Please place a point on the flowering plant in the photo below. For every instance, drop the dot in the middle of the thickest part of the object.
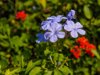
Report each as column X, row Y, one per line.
column 63, row 44
column 59, row 53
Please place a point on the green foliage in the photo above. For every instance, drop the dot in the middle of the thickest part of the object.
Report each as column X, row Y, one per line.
column 21, row 55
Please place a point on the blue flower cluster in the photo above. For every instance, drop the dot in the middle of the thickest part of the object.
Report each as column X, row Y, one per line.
column 54, row 29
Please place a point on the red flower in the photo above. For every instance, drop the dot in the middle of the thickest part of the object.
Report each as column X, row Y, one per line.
column 76, row 52
column 21, row 15
column 85, row 45
column 82, row 40
column 89, row 49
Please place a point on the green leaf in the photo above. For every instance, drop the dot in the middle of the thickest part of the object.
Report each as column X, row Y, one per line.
column 96, row 54
column 4, row 43
column 98, row 1
column 87, row 12
column 35, row 71
column 13, row 72
column 8, row 72
column 54, row 1
column 61, row 57
column 57, row 72
column 32, row 65
column 47, row 72
column 3, row 36
column 42, row 2
column 28, row 3
column 66, row 71
column 46, row 52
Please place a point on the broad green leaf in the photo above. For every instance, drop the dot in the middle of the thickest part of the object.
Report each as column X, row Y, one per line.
column 61, row 57
column 55, row 56
column 98, row 1
column 4, row 43
column 87, row 12
column 47, row 72
column 83, row 70
column 35, row 71
column 54, row 1
column 13, row 72
column 8, row 72
column 66, row 71
column 32, row 65
column 46, row 52
column 42, row 2
column 96, row 54
column 57, row 72
column 28, row 3
column 3, row 36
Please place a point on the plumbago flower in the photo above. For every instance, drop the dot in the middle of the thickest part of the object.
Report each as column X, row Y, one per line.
column 70, row 15
column 54, row 32
column 40, row 38
column 45, row 25
column 54, row 26
column 74, row 28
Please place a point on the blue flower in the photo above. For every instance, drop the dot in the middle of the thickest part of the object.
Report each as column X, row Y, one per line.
column 56, row 18
column 70, row 15
column 74, row 28
column 40, row 38
column 54, row 32
column 45, row 25
column 50, row 20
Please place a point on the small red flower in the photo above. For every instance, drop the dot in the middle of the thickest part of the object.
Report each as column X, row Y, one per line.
column 21, row 15
column 86, row 46
column 76, row 52
column 89, row 49
column 82, row 41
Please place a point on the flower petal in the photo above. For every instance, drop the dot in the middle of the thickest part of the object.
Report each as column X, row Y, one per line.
column 52, row 17
column 58, row 27
column 47, row 35
column 70, row 23
column 45, row 25
column 74, row 34
column 78, row 25
column 69, row 26
column 61, row 34
column 81, row 31
column 53, row 38
column 71, row 14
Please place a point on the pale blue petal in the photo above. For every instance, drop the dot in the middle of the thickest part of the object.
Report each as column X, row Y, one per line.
column 52, row 17
column 58, row 18
column 61, row 34
column 74, row 34
column 68, row 27
column 47, row 35
column 58, row 27
column 55, row 27
column 70, row 23
column 71, row 15
column 45, row 25
column 81, row 31
column 78, row 25
column 53, row 38
column 64, row 17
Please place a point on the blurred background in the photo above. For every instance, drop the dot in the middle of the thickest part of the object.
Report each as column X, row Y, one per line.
column 13, row 31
